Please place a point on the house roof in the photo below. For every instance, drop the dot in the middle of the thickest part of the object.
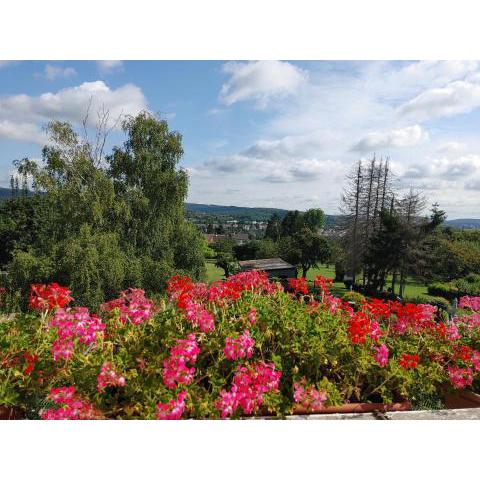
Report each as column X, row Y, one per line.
column 265, row 264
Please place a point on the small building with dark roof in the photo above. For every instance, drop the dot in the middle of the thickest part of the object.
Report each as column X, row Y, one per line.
column 274, row 267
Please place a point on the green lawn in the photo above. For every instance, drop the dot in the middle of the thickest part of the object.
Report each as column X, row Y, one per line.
column 412, row 289
column 213, row 273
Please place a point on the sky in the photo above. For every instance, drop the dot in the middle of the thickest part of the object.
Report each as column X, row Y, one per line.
column 270, row 133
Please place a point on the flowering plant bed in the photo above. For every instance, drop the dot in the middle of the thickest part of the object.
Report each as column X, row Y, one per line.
column 235, row 348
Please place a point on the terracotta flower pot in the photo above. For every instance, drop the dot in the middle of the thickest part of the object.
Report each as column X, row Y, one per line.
column 461, row 399
column 356, row 408
column 400, row 406
column 11, row 413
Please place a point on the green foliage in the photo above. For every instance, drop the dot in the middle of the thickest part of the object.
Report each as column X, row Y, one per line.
column 265, row 248
column 355, row 297
column 305, row 248
column 102, row 224
column 469, row 285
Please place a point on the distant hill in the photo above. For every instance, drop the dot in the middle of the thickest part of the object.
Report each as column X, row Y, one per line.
column 245, row 213
column 4, row 193
column 464, row 223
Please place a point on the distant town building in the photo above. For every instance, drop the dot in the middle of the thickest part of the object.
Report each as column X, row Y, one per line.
column 238, row 238
column 275, row 267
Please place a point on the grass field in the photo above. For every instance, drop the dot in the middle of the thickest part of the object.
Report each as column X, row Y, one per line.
column 412, row 289
column 213, row 273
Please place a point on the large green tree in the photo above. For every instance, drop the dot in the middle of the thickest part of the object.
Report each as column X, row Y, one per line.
column 103, row 223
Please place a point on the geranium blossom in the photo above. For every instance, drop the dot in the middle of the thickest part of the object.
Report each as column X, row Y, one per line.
column 74, row 324
column 476, row 360
column 132, row 305
column 381, row 355
column 199, row 316
column 172, row 410
column 48, row 297
column 460, row 377
column 241, row 347
column 252, row 316
column 108, row 377
column 249, row 385
column 62, row 348
column 178, row 368
column 70, row 406
column 408, row 361
column 298, row 285
column 473, row 303
column 452, row 332
column 31, row 359
column 308, row 396
column 359, row 327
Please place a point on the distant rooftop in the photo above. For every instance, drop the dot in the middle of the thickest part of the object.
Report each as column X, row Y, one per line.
column 265, row 264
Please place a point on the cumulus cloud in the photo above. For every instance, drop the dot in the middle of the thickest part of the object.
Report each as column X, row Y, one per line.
column 457, row 97
column 23, row 132
column 52, row 72
column 446, row 168
column 106, row 67
column 289, row 146
column 68, row 104
column 473, row 184
column 260, row 81
column 451, row 148
column 403, row 137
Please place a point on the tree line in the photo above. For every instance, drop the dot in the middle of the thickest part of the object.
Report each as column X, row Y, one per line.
column 386, row 234
column 101, row 222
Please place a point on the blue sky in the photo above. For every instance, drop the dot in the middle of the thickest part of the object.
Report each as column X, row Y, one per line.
column 271, row 133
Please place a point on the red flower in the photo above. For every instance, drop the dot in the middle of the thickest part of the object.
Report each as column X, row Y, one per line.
column 298, row 285
column 49, row 297
column 462, row 352
column 359, row 327
column 409, row 361
column 31, row 360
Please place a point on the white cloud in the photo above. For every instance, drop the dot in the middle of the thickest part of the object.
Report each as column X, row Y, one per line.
column 260, row 81
column 51, row 72
column 403, row 137
column 68, row 104
column 106, row 67
column 23, row 132
column 455, row 98
column 446, row 168
column 290, row 146
column 473, row 184
column 451, row 148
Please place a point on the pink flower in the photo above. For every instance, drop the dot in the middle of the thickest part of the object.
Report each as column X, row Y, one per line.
column 476, row 360
column 241, row 347
column 308, row 396
column 132, row 305
column 249, row 385
column 71, row 406
column 473, row 303
column 460, row 377
column 252, row 316
column 199, row 317
column 109, row 377
column 62, row 349
column 172, row 410
column 452, row 332
column 375, row 332
column 178, row 368
column 381, row 355
column 74, row 324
